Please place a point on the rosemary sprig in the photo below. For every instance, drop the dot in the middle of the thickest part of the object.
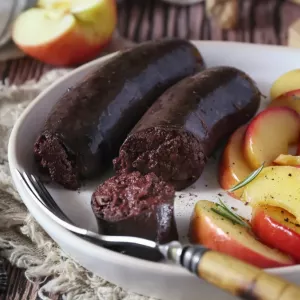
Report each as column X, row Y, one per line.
column 248, row 179
column 224, row 211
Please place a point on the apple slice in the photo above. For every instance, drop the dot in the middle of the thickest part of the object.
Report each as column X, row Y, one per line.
column 233, row 166
column 58, row 37
column 269, row 134
column 278, row 229
column 218, row 233
column 287, row 160
column 290, row 99
column 275, row 186
column 289, row 81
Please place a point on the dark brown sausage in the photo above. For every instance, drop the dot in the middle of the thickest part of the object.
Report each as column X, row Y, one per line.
column 136, row 205
column 89, row 123
column 182, row 128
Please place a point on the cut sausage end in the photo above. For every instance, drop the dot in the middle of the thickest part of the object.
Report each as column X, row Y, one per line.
column 129, row 195
column 54, row 159
column 174, row 155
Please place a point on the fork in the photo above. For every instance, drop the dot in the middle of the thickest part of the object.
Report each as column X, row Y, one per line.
column 226, row 272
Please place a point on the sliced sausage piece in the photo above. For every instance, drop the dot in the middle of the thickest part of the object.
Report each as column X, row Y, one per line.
column 182, row 128
column 136, row 205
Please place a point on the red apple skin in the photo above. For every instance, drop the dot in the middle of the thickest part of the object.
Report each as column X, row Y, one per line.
column 274, row 227
column 74, row 47
column 65, row 51
column 203, row 230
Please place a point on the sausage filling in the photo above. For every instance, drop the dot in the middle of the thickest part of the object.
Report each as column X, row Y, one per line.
column 54, row 158
column 128, row 195
column 176, row 156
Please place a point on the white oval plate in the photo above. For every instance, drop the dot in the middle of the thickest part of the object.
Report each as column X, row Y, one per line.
column 263, row 63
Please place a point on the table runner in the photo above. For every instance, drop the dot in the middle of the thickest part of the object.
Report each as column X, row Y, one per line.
column 22, row 240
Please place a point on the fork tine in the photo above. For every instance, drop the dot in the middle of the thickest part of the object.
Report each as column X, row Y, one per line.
column 48, row 199
column 29, row 184
column 46, row 196
column 34, row 186
column 38, row 200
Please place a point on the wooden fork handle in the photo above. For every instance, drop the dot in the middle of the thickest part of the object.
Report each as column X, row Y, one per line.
column 237, row 277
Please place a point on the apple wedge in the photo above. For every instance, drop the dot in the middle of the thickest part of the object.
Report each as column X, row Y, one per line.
column 275, row 186
column 278, row 229
column 218, row 233
column 91, row 10
column 288, row 160
column 233, row 167
column 290, row 99
column 269, row 134
column 55, row 4
column 289, row 81
column 66, row 35
column 85, row 10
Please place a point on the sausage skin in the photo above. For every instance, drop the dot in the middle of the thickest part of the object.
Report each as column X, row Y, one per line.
column 181, row 129
column 89, row 123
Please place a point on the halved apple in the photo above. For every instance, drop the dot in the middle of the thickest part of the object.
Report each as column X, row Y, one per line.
column 275, row 186
column 269, row 134
column 66, row 35
column 287, row 82
column 217, row 233
column 288, row 160
column 233, row 166
column 289, row 99
column 278, row 229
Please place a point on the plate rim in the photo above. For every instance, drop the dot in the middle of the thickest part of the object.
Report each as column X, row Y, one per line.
column 74, row 239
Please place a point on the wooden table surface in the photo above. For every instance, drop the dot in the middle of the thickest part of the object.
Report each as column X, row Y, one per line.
column 260, row 21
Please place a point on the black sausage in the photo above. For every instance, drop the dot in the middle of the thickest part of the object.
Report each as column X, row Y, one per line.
column 136, row 205
column 181, row 129
column 89, row 123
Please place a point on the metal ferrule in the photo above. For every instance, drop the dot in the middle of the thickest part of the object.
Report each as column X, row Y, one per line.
column 191, row 256
column 171, row 251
